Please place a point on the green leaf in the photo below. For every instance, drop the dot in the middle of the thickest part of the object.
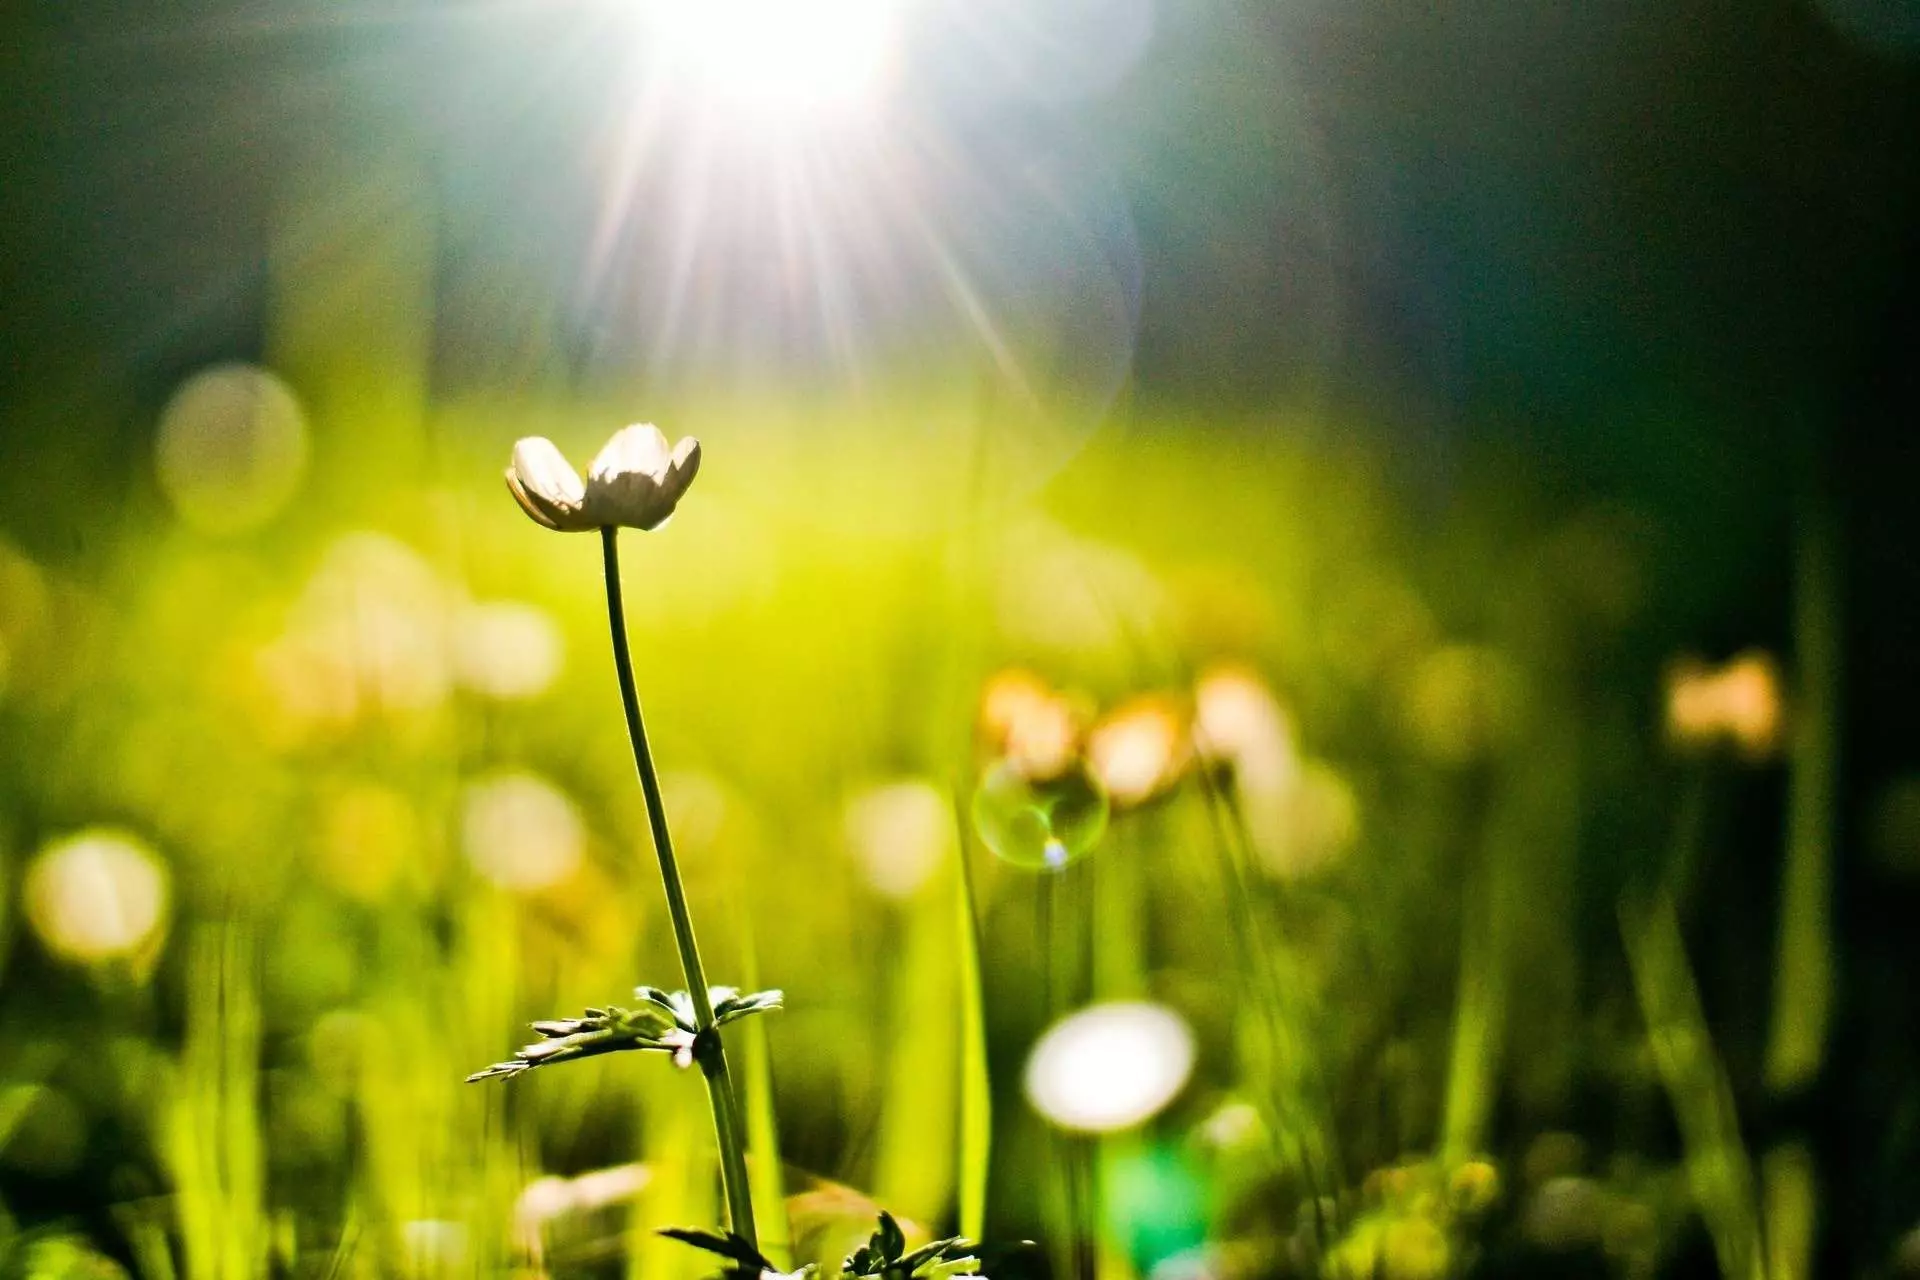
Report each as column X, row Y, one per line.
column 674, row 1005
column 889, row 1239
column 738, row 1006
column 726, row 1244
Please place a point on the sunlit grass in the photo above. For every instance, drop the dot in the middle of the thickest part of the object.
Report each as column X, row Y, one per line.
column 1346, row 845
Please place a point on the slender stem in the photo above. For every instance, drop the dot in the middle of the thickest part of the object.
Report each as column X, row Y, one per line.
column 727, row 1129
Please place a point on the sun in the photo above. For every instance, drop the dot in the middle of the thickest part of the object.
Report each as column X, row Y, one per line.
column 776, row 62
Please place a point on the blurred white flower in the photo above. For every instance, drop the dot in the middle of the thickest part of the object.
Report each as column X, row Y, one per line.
column 1239, row 723
column 364, row 835
column 97, row 895
column 546, row 1199
column 368, row 634
column 231, row 448
column 520, row 832
column 1304, row 825
column 1233, row 1124
column 1074, row 599
column 1110, row 1066
column 507, row 650
column 901, row 832
column 636, row 480
column 434, row 1246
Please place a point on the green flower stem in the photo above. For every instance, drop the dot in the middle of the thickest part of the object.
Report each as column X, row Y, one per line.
column 712, row 1056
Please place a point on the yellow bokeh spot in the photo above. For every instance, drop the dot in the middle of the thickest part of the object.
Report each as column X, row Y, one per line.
column 367, row 834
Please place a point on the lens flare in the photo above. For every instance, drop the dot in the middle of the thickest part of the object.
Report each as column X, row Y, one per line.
column 1040, row 824
column 1110, row 1067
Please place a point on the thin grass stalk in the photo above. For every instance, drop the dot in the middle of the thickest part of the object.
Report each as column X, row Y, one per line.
column 212, row 1138
column 975, row 1147
column 1480, row 1002
column 913, row 1166
column 1804, row 964
column 1292, row 1090
column 729, row 1134
column 1719, row 1171
column 1803, row 992
column 1119, row 973
column 1063, row 911
column 681, row 1186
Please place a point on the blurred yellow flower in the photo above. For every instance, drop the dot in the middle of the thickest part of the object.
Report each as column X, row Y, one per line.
column 1739, row 704
column 1140, row 749
column 365, row 834
column 1030, row 726
column 1473, row 1187
column 1463, row 702
column 636, row 480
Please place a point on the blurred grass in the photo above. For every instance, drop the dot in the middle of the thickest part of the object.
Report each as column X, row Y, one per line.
column 287, row 719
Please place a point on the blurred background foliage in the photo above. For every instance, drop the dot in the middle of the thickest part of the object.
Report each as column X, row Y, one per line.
column 1432, row 488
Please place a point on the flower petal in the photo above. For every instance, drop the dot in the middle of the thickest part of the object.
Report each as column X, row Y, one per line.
column 637, row 481
column 546, row 486
column 686, row 465
column 534, row 509
column 639, row 448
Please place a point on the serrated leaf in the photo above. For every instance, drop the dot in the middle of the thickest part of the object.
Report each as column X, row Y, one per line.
column 610, row 1030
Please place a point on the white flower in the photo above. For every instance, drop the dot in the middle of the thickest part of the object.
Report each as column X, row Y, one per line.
column 99, row 895
column 636, row 480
